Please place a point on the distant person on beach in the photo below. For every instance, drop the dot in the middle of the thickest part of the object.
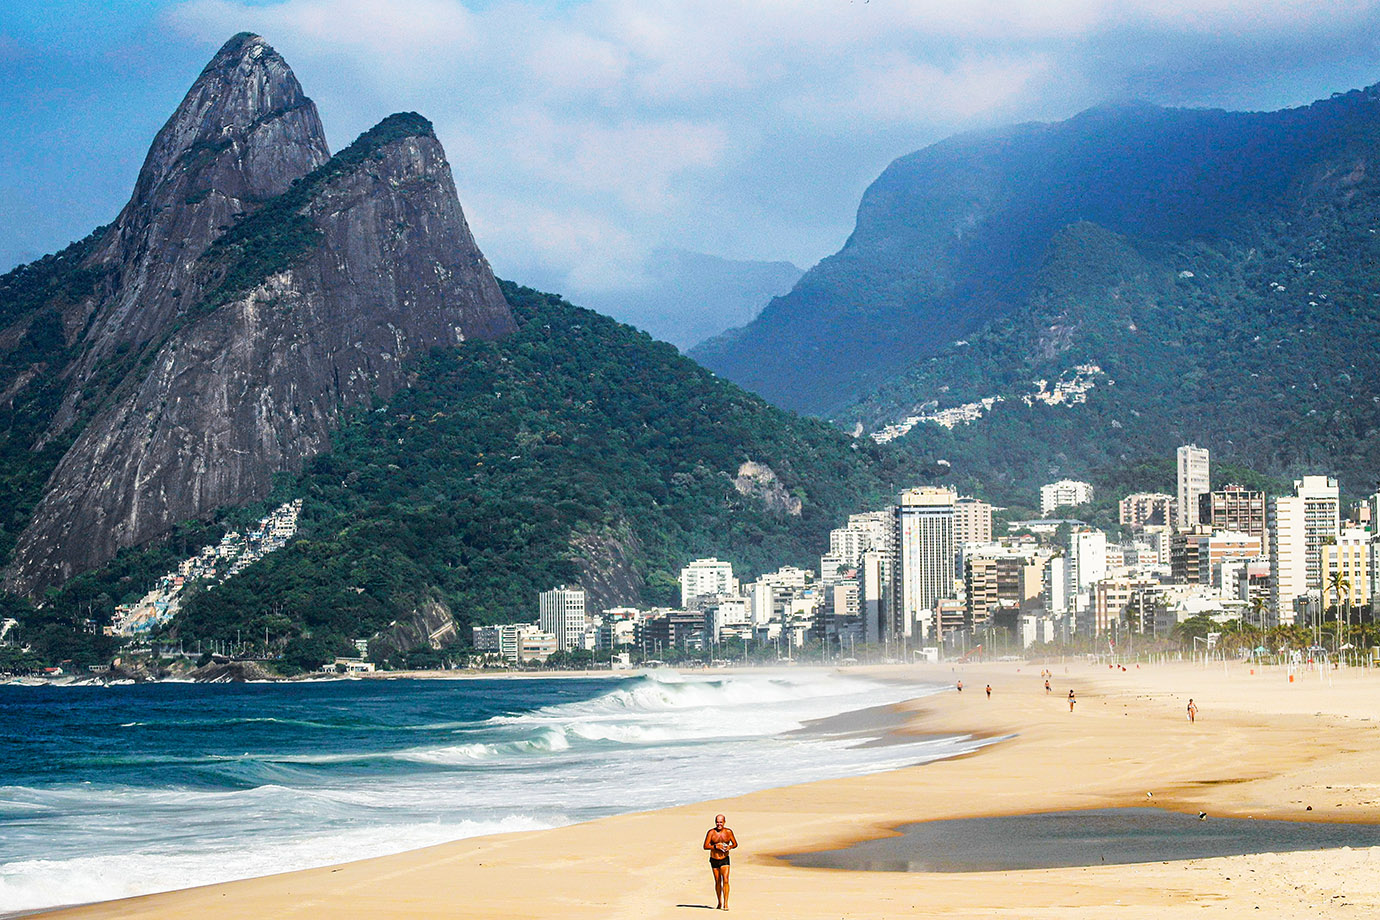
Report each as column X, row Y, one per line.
column 960, row 686
column 989, row 691
column 718, row 842
column 1192, row 711
column 1071, row 701
column 1046, row 686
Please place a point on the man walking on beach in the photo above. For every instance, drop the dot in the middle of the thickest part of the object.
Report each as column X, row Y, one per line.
column 718, row 842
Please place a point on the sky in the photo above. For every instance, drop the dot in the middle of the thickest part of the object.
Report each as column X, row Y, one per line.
column 585, row 134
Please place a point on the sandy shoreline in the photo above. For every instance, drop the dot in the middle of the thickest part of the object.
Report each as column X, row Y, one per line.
column 1262, row 747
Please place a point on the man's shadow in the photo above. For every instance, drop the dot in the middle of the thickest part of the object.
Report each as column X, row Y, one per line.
column 701, row 906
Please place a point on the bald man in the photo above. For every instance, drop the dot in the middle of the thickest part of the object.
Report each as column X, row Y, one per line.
column 718, row 842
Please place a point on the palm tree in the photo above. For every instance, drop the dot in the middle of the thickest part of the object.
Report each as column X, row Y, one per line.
column 1337, row 582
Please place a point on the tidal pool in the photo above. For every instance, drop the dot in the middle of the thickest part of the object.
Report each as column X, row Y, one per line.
column 1082, row 838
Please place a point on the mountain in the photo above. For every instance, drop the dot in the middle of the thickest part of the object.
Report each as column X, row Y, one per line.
column 265, row 323
column 1253, row 338
column 576, row 450
column 687, row 297
column 251, row 292
column 953, row 238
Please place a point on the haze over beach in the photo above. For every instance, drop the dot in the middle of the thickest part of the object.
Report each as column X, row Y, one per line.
column 452, row 449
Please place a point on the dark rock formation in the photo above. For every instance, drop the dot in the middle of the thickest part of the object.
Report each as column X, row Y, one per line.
column 430, row 625
column 251, row 343
column 243, row 134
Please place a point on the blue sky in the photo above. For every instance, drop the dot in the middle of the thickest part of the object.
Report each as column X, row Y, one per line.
column 585, row 134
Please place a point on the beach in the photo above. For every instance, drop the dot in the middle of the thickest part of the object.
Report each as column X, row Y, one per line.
column 1262, row 747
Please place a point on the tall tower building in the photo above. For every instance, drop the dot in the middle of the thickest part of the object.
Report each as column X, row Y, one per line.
column 561, row 612
column 1300, row 525
column 1193, row 482
column 924, row 567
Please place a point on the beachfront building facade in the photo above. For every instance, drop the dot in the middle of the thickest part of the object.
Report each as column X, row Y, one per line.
column 561, row 612
column 1194, row 469
column 1299, row 526
column 706, row 578
column 1087, row 564
column 1347, row 568
column 1065, row 492
column 924, row 569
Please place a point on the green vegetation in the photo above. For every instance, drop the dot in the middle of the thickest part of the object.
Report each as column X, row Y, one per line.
column 272, row 238
column 1259, row 352
column 33, row 299
column 470, row 486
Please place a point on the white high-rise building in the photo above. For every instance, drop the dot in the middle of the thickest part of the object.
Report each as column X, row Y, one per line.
column 1194, row 480
column 561, row 612
column 1064, row 492
column 874, row 574
column 706, row 578
column 1300, row 525
column 924, row 569
column 864, row 532
column 1087, row 564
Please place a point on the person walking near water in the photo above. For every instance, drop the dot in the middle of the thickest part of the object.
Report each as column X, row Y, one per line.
column 989, row 691
column 1046, row 686
column 1072, row 700
column 960, row 686
column 718, row 842
column 1192, row 711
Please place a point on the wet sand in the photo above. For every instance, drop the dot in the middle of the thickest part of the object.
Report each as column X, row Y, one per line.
column 1262, row 747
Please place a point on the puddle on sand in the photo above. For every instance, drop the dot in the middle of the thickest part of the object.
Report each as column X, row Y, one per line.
column 1082, row 838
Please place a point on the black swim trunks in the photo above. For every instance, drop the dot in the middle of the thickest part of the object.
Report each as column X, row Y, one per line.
column 717, row 863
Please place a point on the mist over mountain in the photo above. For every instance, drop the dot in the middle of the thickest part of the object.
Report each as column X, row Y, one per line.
column 951, row 238
column 1216, row 269
column 687, row 297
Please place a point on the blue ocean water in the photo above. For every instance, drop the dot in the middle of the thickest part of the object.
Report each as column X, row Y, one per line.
column 108, row 792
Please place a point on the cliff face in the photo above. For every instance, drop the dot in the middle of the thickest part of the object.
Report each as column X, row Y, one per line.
column 243, row 134
column 250, row 344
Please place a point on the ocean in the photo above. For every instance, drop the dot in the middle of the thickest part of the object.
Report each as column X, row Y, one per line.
column 108, row 792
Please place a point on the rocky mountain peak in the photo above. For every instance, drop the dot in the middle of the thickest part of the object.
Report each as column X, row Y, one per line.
column 312, row 303
column 243, row 134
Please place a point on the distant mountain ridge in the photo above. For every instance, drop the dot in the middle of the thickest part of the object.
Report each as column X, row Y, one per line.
column 951, row 238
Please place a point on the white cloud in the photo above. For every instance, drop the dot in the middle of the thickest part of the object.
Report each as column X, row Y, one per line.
column 636, row 161
column 634, row 122
column 896, row 89
column 385, row 30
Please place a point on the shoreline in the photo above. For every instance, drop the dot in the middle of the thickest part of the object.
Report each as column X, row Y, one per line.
column 1262, row 747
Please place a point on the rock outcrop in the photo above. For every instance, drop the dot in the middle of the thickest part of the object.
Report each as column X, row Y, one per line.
column 259, row 290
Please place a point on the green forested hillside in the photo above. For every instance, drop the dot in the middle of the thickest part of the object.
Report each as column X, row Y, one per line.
column 1260, row 349
column 952, row 238
column 471, row 487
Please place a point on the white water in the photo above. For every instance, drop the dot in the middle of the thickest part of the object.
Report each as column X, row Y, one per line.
column 655, row 741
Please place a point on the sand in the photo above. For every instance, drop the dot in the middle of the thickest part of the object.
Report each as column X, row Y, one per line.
column 1262, row 746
